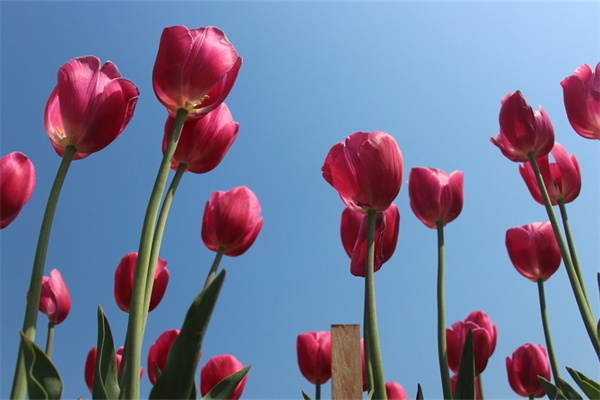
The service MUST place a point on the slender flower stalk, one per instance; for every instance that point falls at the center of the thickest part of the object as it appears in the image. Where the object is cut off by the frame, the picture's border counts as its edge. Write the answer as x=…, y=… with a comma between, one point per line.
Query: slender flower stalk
x=50, y=339
x=582, y=304
x=372, y=350
x=441, y=313
x=571, y=243
x=19, y=387
x=215, y=266
x=479, y=382
x=138, y=313
x=318, y=390
x=549, y=346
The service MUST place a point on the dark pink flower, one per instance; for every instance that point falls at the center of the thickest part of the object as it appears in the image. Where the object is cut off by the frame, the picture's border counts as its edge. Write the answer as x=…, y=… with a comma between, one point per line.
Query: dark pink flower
x=523, y=130
x=203, y=142
x=435, y=196
x=484, y=341
x=90, y=106
x=483, y=320
x=314, y=356
x=159, y=351
x=17, y=181
x=527, y=363
x=395, y=391
x=533, y=250
x=581, y=92
x=194, y=69
x=366, y=170
x=55, y=301
x=562, y=178
x=219, y=368
x=353, y=231
x=90, y=365
x=231, y=221
x=124, y=281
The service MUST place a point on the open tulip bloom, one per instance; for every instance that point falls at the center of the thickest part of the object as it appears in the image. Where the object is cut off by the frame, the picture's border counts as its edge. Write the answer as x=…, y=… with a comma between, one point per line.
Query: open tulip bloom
x=581, y=92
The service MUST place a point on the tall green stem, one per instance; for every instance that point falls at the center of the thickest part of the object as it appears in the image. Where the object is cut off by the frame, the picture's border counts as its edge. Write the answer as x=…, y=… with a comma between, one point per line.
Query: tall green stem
x=318, y=390
x=49, y=339
x=19, y=388
x=371, y=330
x=215, y=266
x=130, y=365
x=582, y=304
x=479, y=387
x=549, y=346
x=571, y=243
x=441, y=315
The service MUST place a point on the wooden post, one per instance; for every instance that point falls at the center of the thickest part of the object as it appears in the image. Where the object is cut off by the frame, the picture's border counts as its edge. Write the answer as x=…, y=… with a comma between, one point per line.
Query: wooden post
x=346, y=371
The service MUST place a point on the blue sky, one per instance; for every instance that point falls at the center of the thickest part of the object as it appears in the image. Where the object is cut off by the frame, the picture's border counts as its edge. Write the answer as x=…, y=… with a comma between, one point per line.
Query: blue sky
x=431, y=74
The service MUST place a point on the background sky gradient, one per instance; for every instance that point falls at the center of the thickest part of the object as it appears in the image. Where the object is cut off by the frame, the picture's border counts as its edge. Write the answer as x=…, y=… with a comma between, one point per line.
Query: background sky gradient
x=431, y=74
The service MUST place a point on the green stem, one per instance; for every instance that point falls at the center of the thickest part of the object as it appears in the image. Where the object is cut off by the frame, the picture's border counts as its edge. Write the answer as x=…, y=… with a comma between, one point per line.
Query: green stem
x=318, y=390
x=130, y=365
x=441, y=315
x=584, y=307
x=215, y=266
x=371, y=330
x=571, y=243
x=50, y=339
x=549, y=346
x=479, y=387
x=19, y=388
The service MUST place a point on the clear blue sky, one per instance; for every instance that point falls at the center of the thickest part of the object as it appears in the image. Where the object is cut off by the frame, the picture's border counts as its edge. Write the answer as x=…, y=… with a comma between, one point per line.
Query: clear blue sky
x=431, y=74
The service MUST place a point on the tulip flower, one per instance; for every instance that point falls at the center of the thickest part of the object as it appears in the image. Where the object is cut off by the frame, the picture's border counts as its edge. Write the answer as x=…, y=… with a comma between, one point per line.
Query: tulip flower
x=395, y=391
x=194, y=69
x=527, y=363
x=561, y=178
x=484, y=341
x=354, y=237
x=218, y=368
x=124, y=281
x=158, y=353
x=55, y=301
x=581, y=92
x=90, y=365
x=314, y=356
x=366, y=170
x=533, y=250
x=203, y=142
x=523, y=130
x=231, y=221
x=89, y=107
x=435, y=196
x=453, y=380
x=17, y=181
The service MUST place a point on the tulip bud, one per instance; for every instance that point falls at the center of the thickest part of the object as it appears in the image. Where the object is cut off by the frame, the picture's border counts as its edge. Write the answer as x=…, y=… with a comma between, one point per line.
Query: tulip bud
x=124, y=281
x=527, y=363
x=484, y=340
x=158, y=353
x=219, y=368
x=55, y=301
x=581, y=92
x=395, y=391
x=314, y=356
x=17, y=181
x=90, y=365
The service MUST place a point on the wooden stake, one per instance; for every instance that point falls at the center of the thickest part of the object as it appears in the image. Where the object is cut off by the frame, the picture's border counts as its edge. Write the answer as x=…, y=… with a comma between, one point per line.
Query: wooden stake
x=346, y=371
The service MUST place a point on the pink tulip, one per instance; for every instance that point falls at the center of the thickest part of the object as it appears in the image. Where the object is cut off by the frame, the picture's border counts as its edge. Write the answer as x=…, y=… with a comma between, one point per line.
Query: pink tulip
x=484, y=341
x=55, y=301
x=17, y=181
x=533, y=250
x=354, y=237
x=366, y=170
x=561, y=178
x=89, y=107
x=194, y=69
x=219, y=368
x=231, y=221
x=453, y=380
x=314, y=356
x=203, y=142
x=395, y=391
x=528, y=362
x=434, y=195
x=90, y=365
x=581, y=92
x=523, y=130
x=159, y=351
x=124, y=281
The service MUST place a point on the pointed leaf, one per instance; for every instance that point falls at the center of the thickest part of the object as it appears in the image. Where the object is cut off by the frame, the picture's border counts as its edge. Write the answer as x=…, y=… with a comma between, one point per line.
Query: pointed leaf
x=43, y=380
x=225, y=388
x=552, y=391
x=587, y=385
x=419, y=393
x=106, y=385
x=306, y=397
x=177, y=379
x=465, y=381
x=568, y=390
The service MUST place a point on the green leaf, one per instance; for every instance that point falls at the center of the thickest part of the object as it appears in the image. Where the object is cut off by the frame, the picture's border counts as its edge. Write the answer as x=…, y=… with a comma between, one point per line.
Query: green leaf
x=419, y=393
x=106, y=385
x=552, y=391
x=568, y=390
x=177, y=379
x=590, y=387
x=306, y=397
x=43, y=380
x=225, y=388
x=465, y=381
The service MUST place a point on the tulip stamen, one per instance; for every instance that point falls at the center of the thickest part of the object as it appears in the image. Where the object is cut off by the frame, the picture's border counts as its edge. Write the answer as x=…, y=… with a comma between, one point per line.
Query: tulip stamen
x=196, y=104
x=61, y=134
